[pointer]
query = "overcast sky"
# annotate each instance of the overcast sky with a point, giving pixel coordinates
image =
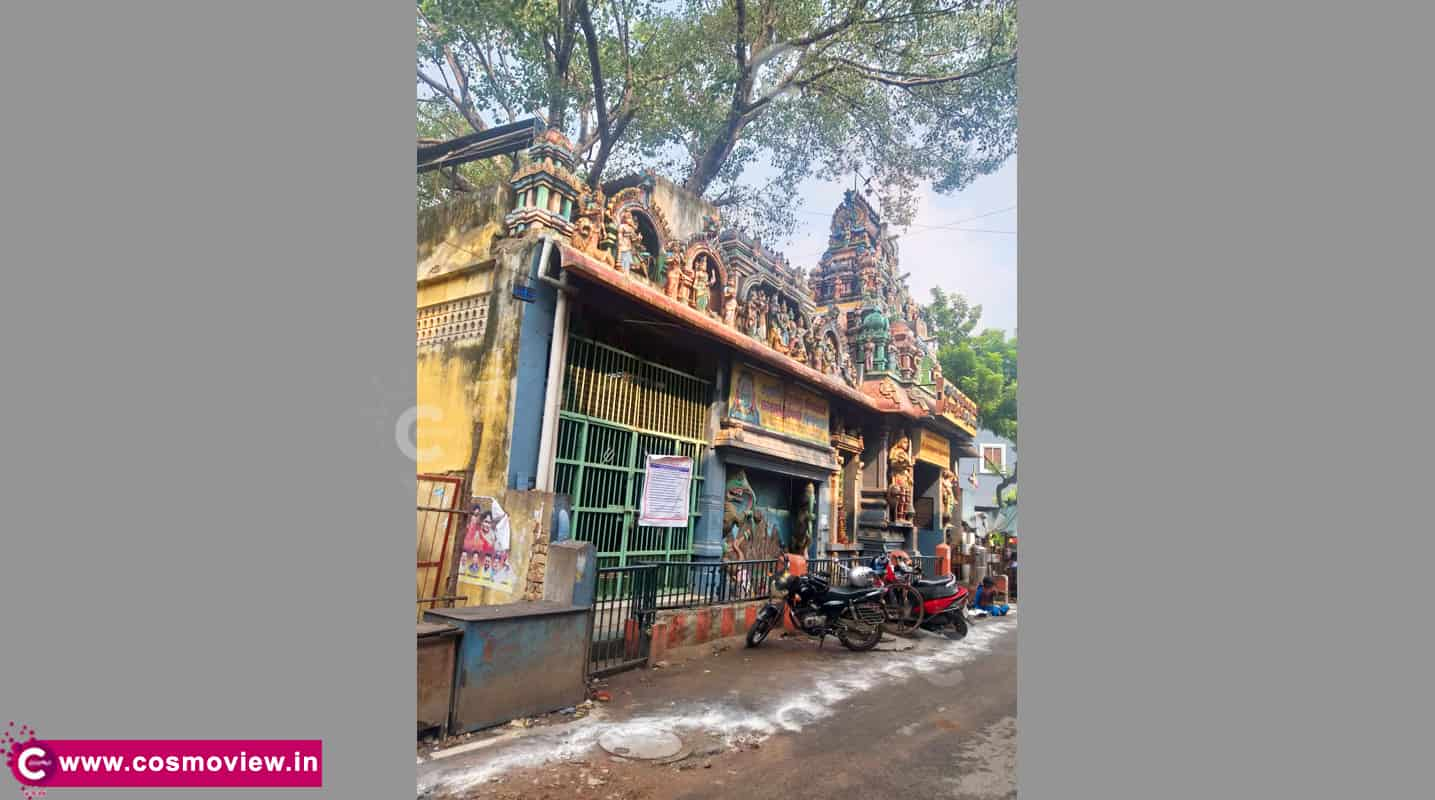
(975, 262)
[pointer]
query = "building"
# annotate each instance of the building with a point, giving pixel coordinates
(981, 481)
(565, 334)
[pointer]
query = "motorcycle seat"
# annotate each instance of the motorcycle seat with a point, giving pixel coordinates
(921, 582)
(849, 592)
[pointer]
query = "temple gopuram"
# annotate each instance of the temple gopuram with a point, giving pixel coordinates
(566, 333)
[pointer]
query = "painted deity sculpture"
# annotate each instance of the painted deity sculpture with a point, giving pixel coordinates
(672, 283)
(729, 302)
(701, 292)
(899, 485)
(951, 494)
(588, 232)
(627, 231)
(799, 349)
(685, 286)
(805, 521)
(774, 339)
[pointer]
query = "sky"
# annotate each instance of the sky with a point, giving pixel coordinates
(975, 262)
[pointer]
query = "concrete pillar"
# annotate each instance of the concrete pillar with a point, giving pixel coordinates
(944, 559)
(708, 533)
(825, 522)
(570, 573)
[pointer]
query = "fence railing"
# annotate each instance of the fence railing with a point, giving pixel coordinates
(834, 570)
(623, 609)
(691, 584)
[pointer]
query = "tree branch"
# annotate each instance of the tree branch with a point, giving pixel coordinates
(469, 113)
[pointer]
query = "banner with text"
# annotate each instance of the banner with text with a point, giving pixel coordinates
(766, 401)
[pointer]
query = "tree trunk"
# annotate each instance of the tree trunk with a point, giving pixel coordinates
(708, 166)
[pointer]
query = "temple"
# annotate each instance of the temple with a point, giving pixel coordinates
(566, 333)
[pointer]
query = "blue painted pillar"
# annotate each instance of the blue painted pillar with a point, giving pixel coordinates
(535, 334)
(707, 535)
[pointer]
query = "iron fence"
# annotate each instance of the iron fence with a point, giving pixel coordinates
(834, 570)
(624, 607)
(691, 584)
(927, 564)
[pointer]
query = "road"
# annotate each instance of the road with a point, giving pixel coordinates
(786, 720)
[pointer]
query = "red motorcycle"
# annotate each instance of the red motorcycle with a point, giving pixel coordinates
(935, 604)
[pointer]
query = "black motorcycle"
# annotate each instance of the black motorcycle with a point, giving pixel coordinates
(819, 609)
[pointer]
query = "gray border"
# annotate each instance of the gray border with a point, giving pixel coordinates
(207, 322)
(188, 394)
(1209, 198)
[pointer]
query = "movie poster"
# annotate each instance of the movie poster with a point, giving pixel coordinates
(484, 560)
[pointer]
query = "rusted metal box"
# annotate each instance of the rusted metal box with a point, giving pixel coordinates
(515, 660)
(437, 654)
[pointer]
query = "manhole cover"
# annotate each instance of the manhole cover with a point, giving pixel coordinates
(646, 744)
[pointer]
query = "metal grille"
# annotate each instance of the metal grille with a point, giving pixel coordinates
(466, 318)
(608, 384)
(618, 409)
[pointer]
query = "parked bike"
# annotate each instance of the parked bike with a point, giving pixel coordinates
(934, 604)
(901, 604)
(853, 615)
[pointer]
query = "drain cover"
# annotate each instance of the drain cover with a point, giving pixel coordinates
(645, 744)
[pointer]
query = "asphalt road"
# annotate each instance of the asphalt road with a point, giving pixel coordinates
(785, 721)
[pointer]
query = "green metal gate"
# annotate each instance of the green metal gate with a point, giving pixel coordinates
(617, 409)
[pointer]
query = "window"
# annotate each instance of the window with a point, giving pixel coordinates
(993, 454)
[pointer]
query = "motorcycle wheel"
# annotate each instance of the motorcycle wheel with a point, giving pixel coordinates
(858, 634)
(758, 632)
(958, 629)
(902, 608)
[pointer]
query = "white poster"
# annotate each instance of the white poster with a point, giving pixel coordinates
(666, 487)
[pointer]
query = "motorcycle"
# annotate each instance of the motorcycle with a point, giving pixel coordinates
(853, 615)
(943, 601)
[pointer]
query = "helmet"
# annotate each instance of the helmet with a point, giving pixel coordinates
(860, 577)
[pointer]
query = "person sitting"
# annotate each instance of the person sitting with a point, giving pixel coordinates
(983, 599)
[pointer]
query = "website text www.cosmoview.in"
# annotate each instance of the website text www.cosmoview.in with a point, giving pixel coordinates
(167, 763)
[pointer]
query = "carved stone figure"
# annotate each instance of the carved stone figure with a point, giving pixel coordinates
(685, 287)
(588, 234)
(799, 349)
(701, 293)
(868, 352)
(867, 267)
(950, 497)
(899, 481)
(729, 302)
(805, 520)
(627, 231)
(674, 278)
(774, 339)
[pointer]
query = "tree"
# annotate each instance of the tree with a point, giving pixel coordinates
(902, 92)
(982, 366)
